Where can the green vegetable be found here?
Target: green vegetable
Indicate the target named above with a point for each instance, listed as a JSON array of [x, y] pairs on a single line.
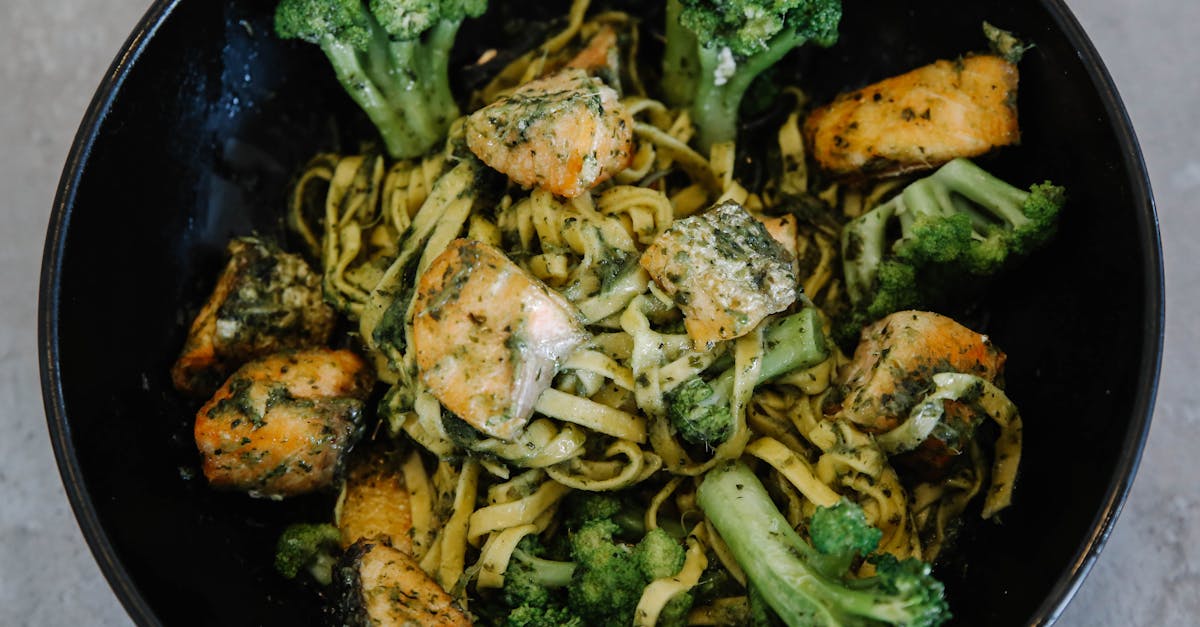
[[1005, 44], [659, 555], [716, 48], [608, 585], [956, 226], [700, 409], [602, 583], [529, 616], [532, 584], [810, 584], [311, 547], [583, 507], [391, 56]]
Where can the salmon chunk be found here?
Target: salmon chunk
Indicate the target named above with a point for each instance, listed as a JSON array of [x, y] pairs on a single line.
[[375, 504], [281, 425], [565, 133], [489, 337], [384, 586], [724, 270], [265, 301], [894, 364], [600, 54], [783, 229], [918, 120]]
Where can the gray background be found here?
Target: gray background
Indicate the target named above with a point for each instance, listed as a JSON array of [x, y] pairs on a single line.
[[53, 52]]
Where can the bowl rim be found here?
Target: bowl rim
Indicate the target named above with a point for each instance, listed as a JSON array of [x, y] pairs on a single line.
[[1057, 598], [1153, 312], [49, 300]]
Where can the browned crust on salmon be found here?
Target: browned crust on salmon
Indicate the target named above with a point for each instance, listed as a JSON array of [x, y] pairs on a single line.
[[265, 301], [376, 503], [894, 365], [564, 133], [917, 120], [396, 592], [281, 425]]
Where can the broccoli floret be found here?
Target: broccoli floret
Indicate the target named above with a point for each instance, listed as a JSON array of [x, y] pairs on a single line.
[[603, 583], [659, 555], [529, 579], [528, 616], [311, 547], [391, 56], [533, 592], [700, 410], [956, 226], [716, 48], [795, 578], [608, 584], [584, 507], [842, 533]]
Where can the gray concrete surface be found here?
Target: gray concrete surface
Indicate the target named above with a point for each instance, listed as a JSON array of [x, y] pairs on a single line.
[[52, 53]]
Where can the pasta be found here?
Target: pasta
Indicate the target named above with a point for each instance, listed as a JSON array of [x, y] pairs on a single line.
[[605, 422]]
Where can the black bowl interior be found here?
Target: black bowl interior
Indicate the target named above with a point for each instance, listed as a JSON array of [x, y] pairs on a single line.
[[204, 118]]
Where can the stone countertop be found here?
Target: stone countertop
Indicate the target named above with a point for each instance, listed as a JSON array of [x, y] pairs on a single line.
[[52, 53]]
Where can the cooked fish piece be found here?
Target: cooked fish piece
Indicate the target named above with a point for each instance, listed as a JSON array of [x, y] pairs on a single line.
[[265, 301], [282, 424], [783, 229], [376, 504], [489, 337], [565, 133], [893, 366], [600, 54], [381, 586], [724, 270], [918, 120]]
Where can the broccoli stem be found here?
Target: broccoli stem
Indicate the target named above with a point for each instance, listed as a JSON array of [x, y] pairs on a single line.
[[792, 343], [439, 43], [546, 573], [681, 65], [963, 177], [864, 242], [718, 94], [396, 133], [956, 226], [408, 93], [392, 58], [700, 410], [779, 564], [770, 552], [419, 69]]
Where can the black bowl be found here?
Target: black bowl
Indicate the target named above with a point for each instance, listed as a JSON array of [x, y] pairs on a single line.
[[204, 117]]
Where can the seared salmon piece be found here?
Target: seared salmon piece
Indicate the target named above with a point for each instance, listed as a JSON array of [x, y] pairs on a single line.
[[918, 120], [282, 424], [600, 53], [783, 229], [724, 270], [896, 359], [489, 337], [565, 133], [265, 301], [385, 587], [376, 504]]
